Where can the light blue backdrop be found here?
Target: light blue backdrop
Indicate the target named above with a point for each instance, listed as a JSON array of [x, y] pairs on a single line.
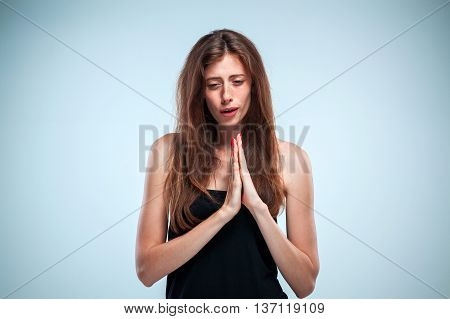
[[78, 79]]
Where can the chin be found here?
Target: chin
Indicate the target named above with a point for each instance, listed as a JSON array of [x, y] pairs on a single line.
[[228, 122], [233, 122]]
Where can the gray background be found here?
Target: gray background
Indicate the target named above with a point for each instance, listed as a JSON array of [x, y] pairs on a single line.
[[70, 116]]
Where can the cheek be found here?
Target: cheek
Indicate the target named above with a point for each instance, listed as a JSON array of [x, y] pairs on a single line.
[[246, 99], [208, 102], [210, 99]]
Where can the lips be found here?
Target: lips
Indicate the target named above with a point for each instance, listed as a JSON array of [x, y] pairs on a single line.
[[228, 109]]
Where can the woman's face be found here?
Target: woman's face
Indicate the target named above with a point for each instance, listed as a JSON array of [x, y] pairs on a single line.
[[228, 86]]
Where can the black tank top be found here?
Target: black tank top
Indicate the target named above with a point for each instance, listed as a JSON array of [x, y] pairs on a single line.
[[235, 263]]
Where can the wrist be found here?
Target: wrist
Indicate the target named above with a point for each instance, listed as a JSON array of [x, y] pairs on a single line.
[[259, 208], [225, 213]]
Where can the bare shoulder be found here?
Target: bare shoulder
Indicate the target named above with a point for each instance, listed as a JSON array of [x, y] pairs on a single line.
[[295, 161], [160, 149], [164, 142]]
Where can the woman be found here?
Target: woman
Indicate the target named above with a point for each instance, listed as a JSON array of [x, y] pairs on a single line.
[[222, 178]]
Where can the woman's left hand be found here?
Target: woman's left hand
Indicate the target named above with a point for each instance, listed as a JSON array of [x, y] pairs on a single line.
[[250, 197]]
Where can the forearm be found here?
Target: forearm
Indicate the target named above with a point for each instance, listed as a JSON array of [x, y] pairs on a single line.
[[295, 265], [163, 259]]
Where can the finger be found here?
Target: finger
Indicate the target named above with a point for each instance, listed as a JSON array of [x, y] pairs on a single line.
[[238, 168], [242, 160], [232, 160], [235, 159]]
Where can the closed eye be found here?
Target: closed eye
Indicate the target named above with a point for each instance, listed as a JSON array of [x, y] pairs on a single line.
[[214, 86]]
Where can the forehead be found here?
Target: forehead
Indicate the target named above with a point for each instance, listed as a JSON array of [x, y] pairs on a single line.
[[227, 65]]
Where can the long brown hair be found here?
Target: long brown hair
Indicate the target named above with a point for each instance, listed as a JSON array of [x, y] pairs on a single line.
[[192, 158]]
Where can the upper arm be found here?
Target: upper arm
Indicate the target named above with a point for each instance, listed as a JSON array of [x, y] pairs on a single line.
[[153, 219], [300, 225]]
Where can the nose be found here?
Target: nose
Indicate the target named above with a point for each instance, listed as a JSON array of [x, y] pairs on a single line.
[[226, 96]]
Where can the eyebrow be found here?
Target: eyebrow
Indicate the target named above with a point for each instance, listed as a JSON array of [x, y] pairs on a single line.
[[219, 78]]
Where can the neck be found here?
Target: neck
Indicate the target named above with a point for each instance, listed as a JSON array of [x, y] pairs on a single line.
[[225, 135]]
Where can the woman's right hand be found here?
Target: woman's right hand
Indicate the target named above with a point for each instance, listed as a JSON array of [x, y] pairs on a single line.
[[232, 203]]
